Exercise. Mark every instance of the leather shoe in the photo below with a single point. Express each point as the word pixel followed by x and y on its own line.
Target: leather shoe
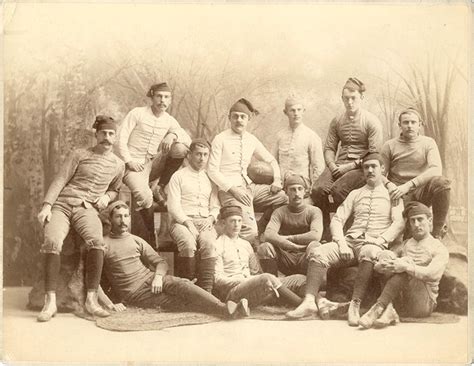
pixel 329 309
pixel 353 314
pixel 96 310
pixel 45 315
pixel 388 317
pixel 243 308
pixel 231 307
pixel 306 308
pixel 368 319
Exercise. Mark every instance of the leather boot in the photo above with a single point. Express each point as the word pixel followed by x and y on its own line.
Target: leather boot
pixel 329 309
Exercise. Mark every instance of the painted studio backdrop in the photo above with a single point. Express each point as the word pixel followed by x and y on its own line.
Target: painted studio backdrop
pixel 66 63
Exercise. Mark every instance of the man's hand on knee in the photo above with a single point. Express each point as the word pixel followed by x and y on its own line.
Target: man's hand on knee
pixel 192 228
pixel 157 284
pixel 134 166
pixel 241 195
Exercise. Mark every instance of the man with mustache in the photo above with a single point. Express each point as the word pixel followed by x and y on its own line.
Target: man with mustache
pixel 137 274
pixel 298 149
pixel 232 151
pixel 413 166
pixel 146 137
pixel 414 271
pixel 87 182
pixel 193 206
pixel 376 224
pixel 358 132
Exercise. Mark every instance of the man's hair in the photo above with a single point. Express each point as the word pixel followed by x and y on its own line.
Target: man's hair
pixel 199 143
pixel 354 84
pixel 116 205
pixel 372 155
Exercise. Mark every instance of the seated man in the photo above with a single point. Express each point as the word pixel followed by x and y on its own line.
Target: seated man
pixel 193 207
pixel 127 263
pixel 236 275
pixel 415 275
pixel 413 165
pixel 350 136
pixel 143 131
pixel 376 224
pixel 231 153
pixel 294 230
pixel 87 182
pixel 298 149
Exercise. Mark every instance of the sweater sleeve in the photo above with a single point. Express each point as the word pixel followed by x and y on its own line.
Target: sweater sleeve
pixel 434 270
pixel 63 177
pixel 433 163
pixel 151 258
pixel 344 211
pixel 126 128
pixel 398 223
pixel 332 142
pixel 214 165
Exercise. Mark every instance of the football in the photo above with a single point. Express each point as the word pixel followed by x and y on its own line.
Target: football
pixel 260 172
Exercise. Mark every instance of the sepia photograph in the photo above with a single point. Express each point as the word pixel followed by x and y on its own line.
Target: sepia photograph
pixel 236 182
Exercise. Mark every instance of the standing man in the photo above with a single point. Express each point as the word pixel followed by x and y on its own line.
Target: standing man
pixel 143 131
pixel 293 232
pixel 376 224
pixel 127 263
pixel 414 168
pixel 193 206
pixel 87 182
pixel 231 153
pixel 358 132
pixel 237 270
pixel 415 275
pixel 298 149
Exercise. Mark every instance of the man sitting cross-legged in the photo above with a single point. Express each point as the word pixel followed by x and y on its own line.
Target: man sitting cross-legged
pixel 236 275
pixel 376 224
pixel 127 263
pixel 415 275
pixel 293 231
pixel 193 206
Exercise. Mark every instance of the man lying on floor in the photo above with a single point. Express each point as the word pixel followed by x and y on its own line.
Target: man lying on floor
pixel 126 261
pixel 415 275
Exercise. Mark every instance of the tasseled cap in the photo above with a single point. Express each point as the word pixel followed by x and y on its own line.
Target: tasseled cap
pixel 103 122
pixel 244 106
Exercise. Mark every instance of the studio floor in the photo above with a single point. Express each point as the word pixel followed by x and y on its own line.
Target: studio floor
pixel 68 338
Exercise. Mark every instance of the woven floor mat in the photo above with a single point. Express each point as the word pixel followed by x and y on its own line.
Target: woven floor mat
pixel 136 319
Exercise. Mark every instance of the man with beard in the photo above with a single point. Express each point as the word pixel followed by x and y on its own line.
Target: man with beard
pixel 87 182
pixel 414 169
pixel 143 132
pixel 193 206
pixel 376 224
pixel 137 273
pixel 357 131
pixel 415 274
pixel 232 151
